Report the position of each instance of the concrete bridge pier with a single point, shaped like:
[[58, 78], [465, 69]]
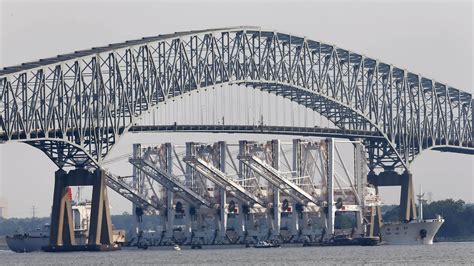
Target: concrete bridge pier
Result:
[[407, 195], [62, 228], [100, 237]]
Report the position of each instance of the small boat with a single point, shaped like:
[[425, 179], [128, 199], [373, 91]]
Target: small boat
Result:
[[176, 247], [267, 244]]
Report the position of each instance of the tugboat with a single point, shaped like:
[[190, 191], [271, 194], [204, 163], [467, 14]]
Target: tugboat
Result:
[[416, 232]]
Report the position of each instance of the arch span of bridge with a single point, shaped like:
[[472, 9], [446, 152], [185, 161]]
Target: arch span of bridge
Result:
[[76, 106]]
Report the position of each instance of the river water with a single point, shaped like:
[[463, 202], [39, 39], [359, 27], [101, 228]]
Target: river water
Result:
[[437, 254]]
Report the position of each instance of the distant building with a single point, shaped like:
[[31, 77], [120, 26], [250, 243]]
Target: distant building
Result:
[[3, 208]]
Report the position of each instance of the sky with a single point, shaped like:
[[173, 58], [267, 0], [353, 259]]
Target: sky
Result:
[[433, 38]]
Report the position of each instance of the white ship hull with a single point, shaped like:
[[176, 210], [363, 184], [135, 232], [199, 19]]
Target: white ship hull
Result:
[[411, 233]]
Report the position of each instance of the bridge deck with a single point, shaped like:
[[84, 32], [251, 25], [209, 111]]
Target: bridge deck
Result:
[[259, 129]]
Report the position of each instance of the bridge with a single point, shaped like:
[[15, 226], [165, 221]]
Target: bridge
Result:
[[75, 107]]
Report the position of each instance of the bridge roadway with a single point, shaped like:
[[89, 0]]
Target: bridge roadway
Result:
[[286, 130], [244, 129], [260, 129]]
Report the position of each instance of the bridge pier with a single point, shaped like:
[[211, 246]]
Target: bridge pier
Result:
[[407, 196], [62, 229], [100, 225]]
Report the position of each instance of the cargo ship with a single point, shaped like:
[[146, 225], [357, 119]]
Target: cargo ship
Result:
[[416, 232]]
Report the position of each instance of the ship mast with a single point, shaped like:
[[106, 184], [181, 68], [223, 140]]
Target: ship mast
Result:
[[420, 204]]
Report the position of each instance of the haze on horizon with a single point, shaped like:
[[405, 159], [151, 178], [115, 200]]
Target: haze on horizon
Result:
[[430, 38]]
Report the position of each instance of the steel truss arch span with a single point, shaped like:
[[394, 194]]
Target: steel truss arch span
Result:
[[91, 97]]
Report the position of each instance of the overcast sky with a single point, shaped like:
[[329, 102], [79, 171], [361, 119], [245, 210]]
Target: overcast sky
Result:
[[430, 38]]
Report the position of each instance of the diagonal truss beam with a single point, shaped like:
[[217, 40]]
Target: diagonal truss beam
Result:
[[223, 181], [277, 179], [170, 182]]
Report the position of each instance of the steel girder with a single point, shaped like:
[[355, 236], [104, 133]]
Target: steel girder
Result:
[[91, 97]]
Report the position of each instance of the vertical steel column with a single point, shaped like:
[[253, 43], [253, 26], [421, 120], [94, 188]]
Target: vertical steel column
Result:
[[242, 146], [241, 218], [136, 153], [189, 170], [276, 191], [297, 157], [361, 182], [330, 187], [222, 191], [297, 153], [189, 178], [170, 211]]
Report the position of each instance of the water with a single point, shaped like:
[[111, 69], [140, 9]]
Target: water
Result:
[[440, 253]]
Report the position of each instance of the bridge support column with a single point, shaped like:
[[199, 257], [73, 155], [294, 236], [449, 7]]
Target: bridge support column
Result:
[[100, 225], [100, 230], [62, 229], [407, 198]]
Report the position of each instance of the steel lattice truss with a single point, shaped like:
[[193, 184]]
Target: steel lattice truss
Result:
[[76, 106]]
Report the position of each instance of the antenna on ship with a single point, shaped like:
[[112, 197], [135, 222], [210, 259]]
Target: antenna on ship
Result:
[[420, 203]]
